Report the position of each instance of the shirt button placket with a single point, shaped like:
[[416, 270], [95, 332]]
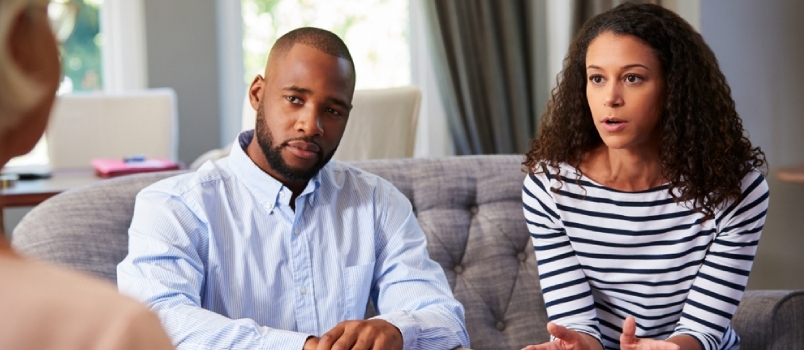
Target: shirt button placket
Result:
[[302, 266]]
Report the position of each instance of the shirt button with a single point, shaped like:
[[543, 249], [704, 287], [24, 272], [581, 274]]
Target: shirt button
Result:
[[282, 194], [296, 231], [270, 206], [303, 290]]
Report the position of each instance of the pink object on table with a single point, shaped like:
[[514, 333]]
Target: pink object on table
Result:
[[117, 167]]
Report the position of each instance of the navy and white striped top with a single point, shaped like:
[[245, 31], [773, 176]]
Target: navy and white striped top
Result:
[[605, 254]]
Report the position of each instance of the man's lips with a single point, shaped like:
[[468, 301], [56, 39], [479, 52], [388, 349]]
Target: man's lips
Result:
[[303, 145], [303, 149]]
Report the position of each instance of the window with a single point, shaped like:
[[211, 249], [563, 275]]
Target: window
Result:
[[81, 52], [376, 32], [80, 48]]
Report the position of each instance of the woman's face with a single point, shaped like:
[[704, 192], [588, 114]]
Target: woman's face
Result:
[[624, 89]]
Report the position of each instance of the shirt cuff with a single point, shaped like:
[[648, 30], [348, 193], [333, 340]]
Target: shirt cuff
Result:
[[406, 324], [697, 336], [282, 339]]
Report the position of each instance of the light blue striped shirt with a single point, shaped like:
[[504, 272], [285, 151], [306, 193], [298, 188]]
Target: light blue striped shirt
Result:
[[226, 263]]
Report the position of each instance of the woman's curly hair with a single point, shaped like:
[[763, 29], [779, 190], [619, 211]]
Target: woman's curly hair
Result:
[[704, 151]]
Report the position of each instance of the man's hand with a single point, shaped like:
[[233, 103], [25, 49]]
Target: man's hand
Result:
[[311, 343], [566, 339], [629, 341], [359, 335]]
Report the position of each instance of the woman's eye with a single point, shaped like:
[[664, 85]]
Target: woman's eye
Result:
[[293, 99], [596, 79], [632, 78]]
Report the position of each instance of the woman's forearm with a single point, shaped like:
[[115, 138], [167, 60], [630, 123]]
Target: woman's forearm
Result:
[[686, 342]]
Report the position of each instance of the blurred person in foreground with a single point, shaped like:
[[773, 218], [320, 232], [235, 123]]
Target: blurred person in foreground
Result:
[[42, 306], [276, 246]]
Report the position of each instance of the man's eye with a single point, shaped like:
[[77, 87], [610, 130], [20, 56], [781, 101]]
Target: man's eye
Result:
[[333, 112], [293, 99]]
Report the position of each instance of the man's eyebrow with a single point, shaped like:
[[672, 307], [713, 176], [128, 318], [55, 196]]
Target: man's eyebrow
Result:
[[333, 100], [634, 65], [295, 88], [341, 103]]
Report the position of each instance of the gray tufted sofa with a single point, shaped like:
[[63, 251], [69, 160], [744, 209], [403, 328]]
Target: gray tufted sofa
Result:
[[469, 207]]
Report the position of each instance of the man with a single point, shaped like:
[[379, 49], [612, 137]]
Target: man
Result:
[[274, 246], [46, 307]]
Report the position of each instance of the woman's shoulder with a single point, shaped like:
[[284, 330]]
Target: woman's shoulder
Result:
[[544, 174], [754, 180], [754, 190], [46, 295]]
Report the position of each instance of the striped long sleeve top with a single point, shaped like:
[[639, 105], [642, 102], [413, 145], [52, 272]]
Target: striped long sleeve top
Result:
[[605, 254]]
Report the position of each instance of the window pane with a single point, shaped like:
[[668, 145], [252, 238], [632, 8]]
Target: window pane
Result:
[[376, 32], [81, 64], [81, 55]]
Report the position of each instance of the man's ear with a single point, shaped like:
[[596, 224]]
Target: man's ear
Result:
[[256, 91]]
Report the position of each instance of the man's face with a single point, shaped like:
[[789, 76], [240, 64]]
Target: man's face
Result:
[[306, 99]]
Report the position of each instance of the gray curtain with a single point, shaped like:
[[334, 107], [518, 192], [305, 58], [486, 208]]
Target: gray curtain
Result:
[[492, 72], [487, 55], [586, 9]]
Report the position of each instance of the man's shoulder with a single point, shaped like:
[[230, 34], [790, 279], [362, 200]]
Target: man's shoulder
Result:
[[211, 174], [361, 185], [347, 176]]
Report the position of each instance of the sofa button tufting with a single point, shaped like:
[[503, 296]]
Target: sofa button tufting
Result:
[[473, 210], [521, 257], [500, 326], [458, 269]]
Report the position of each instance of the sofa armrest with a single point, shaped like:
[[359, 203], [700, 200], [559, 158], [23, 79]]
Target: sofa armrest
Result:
[[771, 319]]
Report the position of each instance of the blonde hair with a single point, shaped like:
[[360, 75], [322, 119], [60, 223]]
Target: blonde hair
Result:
[[18, 92]]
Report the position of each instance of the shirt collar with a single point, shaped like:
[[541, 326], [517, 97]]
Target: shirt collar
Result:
[[267, 190]]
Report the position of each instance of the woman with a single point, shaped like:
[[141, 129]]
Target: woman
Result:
[[45, 307], [643, 196]]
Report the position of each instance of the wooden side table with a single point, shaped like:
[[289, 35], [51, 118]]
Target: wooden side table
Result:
[[791, 174], [32, 192]]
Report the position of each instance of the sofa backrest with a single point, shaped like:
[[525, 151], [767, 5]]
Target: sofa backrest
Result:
[[469, 207]]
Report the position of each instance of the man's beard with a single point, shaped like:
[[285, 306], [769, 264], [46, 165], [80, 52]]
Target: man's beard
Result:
[[274, 154]]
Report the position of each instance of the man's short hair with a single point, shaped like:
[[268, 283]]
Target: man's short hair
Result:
[[317, 38]]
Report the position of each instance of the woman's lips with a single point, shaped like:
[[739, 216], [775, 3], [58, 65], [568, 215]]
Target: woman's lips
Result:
[[613, 124], [306, 150]]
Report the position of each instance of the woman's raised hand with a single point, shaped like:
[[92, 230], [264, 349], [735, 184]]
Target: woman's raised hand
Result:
[[629, 341], [566, 339]]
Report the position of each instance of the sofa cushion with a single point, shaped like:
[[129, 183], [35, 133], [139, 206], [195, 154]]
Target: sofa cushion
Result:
[[85, 228], [470, 209], [771, 319]]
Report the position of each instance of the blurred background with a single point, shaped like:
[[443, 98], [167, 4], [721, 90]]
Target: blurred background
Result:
[[485, 70]]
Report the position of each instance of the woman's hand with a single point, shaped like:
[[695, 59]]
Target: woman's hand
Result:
[[566, 339], [629, 341]]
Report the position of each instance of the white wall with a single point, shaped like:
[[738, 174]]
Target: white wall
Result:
[[182, 51], [761, 51]]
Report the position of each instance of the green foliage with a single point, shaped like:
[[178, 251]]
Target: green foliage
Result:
[[81, 53]]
